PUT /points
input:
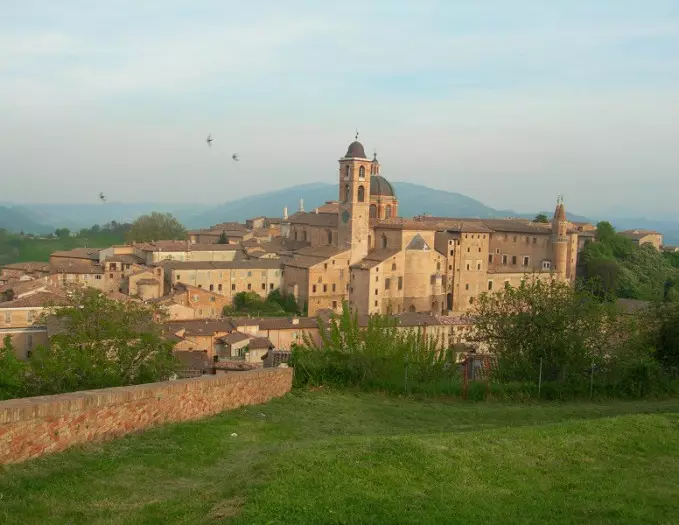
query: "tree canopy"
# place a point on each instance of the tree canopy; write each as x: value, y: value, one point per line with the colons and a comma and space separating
x: 156, y: 227
x: 223, y: 238
x: 541, y: 217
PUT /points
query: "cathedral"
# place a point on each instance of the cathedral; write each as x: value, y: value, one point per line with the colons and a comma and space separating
x: 358, y: 249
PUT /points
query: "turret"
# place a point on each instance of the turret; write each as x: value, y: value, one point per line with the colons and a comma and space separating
x: 560, y: 239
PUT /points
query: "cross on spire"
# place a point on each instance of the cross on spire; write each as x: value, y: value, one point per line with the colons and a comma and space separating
x: 356, y: 133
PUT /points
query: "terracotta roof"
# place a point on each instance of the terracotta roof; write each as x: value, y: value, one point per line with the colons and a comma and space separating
x: 78, y: 253
x: 75, y: 267
x: 192, y: 360
x: 282, y: 245
x: 39, y: 299
x: 126, y: 259
x: 329, y: 220
x: 375, y: 258
x: 247, y: 264
x: 163, y: 246
x: 287, y: 323
x: 638, y: 234
x: 19, y: 288
x: 260, y: 342
x: 234, y: 338
x: 28, y: 266
x: 200, y: 327
x: 329, y: 207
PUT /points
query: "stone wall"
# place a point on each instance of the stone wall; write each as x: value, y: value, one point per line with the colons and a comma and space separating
x: 31, y: 427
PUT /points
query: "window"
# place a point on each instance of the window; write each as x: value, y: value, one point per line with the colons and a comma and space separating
x: 212, y: 299
x: 98, y: 276
x: 490, y: 258
x: 200, y: 286
x: 377, y: 278
x: 490, y: 285
x: 110, y: 275
x: 361, y: 194
x: 452, y: 252
x: 535, y: 240
x: 384, y: 241
x: 497, y: 251
x: 388, y: 212
x: 513, y: 259
x: 249, y: 286
x: 212, y: 287
x: 264, y: 286
x: 546, y: 265
x: 347, y: 193
x: 393, y: 267
x: 479, y: 250
x: 505, y: 259
x: 334, y: 305
x: 361, y: 173
x: 469, y: 249
x: 526, y: 260
x: 400, y: 283
x: 304, y: 237
x: 438, y: 265
x: 219, y: 288
x: 8, y: 317
x: 249, y: 274
x: 233, y: 287
x: 313, y: 288
x: 514, y: 239
x: 295, y: 234
x: 325, y: 288
x: 471, y: 300
x: 341, y: 275
x: 387, y: 284
x: 270, y: 286
x: 469, y: 266
x: 195, y: 298
x: 325, y: 266
x: 478, y: 266
x: 376, y: 291
x: 466, y: 286
x: 329, y: 236
x: 376, y: 304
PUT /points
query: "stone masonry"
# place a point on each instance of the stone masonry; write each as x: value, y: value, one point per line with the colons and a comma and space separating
x: 35, y: 426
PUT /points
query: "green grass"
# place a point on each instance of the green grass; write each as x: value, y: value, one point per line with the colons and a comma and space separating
x: 22, y: 249
x: 338, y: 457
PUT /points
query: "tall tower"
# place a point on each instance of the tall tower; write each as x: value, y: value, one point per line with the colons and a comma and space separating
x: 560, y: 239
x: 354, y: 202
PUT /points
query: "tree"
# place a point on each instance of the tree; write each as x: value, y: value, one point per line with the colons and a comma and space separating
x: 11, y: 371
x: 541, y: 217
x: 156, y: 227
x: 223, y: 239
x: 62, y: 233
x: 542, y: 320
x: 100, y: 343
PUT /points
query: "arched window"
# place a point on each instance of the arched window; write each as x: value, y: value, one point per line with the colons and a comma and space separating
x: 304, y: 235
x: 361, y: 173
x: 384, y: 241
x: 361, y: 194
x: 393, y: 266
x: 347, y: 171
x: 388, y: 212
x: 347, y: 193
x: 329, y: 236
x: 412, y: 308
x: 438, y: 265
x: 434, y: 307
x: 373, y: 211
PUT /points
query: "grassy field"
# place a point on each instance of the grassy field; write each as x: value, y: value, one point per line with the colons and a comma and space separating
x: 333, y: 457
x: 21, y: 249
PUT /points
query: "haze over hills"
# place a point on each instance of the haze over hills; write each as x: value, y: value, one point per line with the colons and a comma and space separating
x: 414, y: 199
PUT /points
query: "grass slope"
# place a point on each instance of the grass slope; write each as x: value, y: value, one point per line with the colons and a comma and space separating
x: 331, y: 457
x: 22, y: 249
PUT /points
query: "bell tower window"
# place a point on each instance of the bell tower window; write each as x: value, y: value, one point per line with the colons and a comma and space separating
x: 388, y: 212
x: 347, y: 171
x: 361, y: 194
x: 347, y: 193
x: 373, y: 211
x: 384, y: 241
x: 361, y: 173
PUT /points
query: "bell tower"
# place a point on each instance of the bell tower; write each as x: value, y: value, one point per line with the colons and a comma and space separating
x: 560, y: 239
x: 354, y: 201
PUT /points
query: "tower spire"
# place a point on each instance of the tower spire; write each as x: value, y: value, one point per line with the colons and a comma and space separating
x: 356, y: 133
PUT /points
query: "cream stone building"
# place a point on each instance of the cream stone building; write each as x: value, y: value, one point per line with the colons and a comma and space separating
x: 425, y: 264
x: 641, y: 237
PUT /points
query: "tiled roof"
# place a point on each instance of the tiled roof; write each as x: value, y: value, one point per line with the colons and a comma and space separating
x: 163, y: 246
x: 75, y: 267
x: 192, y: 360
x: 126, y: 259
x: 22, y: 287
x: 638, y: 234
x: 376, y: 257
x: 260, y: 342
x: 28, y: 266
x: 247, y: 264
x: 234, y: 338
x: 201, y: 327
x: 148, y: 281
x: 78, y: 253
x: 315, y: 219
x: 39, y: 299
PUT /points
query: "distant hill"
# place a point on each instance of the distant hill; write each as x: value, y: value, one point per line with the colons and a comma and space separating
x: 16, y: 219
x: 414, y: 199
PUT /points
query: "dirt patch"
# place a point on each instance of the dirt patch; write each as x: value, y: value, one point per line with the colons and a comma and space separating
x: 227, y: 508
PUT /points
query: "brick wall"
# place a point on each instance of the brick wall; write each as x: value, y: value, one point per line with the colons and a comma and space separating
x: 31, y: 427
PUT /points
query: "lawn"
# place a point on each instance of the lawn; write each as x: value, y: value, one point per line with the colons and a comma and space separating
x: 338, y: 457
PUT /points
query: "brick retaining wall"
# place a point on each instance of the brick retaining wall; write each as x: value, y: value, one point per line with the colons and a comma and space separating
x: 34, y: 426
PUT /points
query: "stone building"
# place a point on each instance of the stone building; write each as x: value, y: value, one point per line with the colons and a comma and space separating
x: 641, y: 237
x: 425, y: 264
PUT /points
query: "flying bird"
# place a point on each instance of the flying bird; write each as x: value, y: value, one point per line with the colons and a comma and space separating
x: 209, y: 140
x: 102, y: 197
x: 235, y: 157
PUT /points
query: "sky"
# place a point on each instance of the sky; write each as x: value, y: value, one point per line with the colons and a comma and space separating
x: 509, y: 102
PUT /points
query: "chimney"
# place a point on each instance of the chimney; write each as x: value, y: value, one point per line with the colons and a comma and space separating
x: 301, y: 205
x: 285, y: 213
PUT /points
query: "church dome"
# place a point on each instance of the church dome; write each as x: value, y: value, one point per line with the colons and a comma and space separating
x: 379, y: 186
x: 355, y: 151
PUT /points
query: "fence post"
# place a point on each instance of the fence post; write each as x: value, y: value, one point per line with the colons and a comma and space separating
x: 540, y: 380
x: 591, y: 382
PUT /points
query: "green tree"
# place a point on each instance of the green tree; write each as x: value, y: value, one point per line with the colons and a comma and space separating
x: 542, y: 320
x: 11, y: 371
x: 62, y: 233
x: 156, y: 227
x: 541, y: 217
x: 100, y: 343
x: 223, y: 239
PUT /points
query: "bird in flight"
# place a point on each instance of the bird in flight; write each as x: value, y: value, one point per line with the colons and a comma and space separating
x: 102, y: 197
x: 209, y: 140
x: 235, y: 157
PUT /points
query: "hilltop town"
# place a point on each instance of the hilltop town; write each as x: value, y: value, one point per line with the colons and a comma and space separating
x: 426, y: 271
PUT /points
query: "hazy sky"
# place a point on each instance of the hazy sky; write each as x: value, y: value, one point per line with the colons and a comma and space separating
x: 510, y: 102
